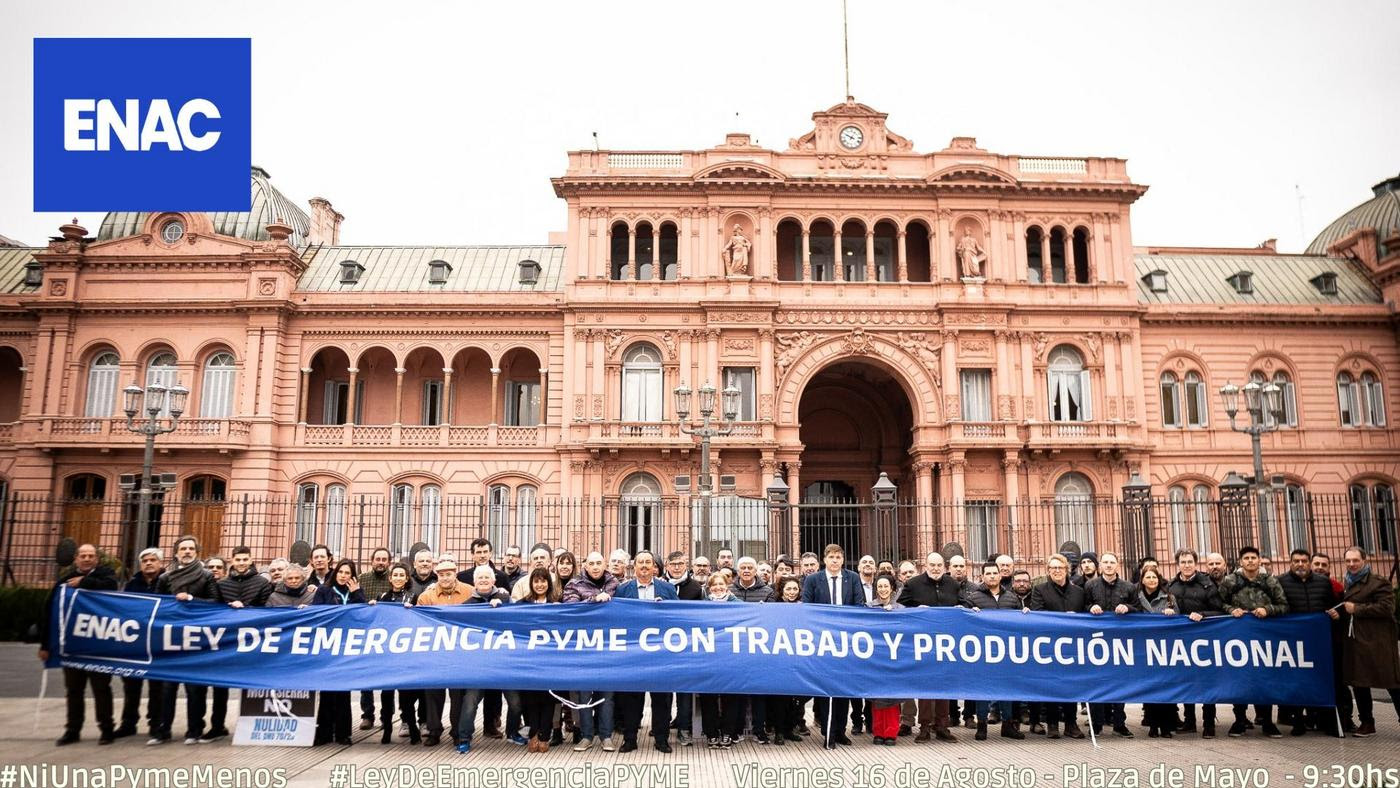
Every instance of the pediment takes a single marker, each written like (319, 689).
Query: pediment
(972, 173)
(147, 245)
(739, 171)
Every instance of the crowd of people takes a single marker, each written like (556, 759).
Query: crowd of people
(1360, 603)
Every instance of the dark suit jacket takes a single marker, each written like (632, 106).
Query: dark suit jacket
(816, 588)
(663, 589)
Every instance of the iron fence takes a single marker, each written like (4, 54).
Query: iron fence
(32, 527)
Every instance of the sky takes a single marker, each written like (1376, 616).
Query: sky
(442, 122)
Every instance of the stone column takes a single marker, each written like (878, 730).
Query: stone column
(682, 241)
(923, 507)
(838, 256)
(631, 254)
(870, 255)
(597, 380)
(1028, 395)
(1018, 248)
(765, 248)
(902, 259)
(806, 255)
(1011, 468)
(1111, 377)
(447, 396)
(495, 393)
(1045, 268)
(951, 388)
(1003, 388)
(305, 405)
(351, 398)
(766, 383)
(712, 360)
(544, 397)
(1130, 375)
(794, 481)
(398, 394)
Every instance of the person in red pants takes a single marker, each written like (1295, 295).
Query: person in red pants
(884, 717)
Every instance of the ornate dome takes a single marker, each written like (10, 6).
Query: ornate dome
(1381, 212)
(268, 205)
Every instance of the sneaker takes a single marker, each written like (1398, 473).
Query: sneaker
(970, 723)
(366, 723)
(156, 741)
(518, 740)
(213, 736)
(712, 743)
(1122, 730)
(191, 740)
(1038, 729)
(608, 745)
(465, 747)
(762, 738)
(725, 742)
(1237, 730)
(1271, 730)
(403, 730)
(683, 738)
(584, 745)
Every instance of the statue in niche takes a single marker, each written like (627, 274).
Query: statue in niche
(736, 254)
(970, 256)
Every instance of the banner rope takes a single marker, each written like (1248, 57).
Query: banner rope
(574, 705)
(1093, 737)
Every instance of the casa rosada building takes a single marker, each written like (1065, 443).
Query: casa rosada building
(979, 327)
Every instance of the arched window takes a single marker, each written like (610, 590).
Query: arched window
(308, 496)
(1203, 514)
(619, 252)
(1373, 516)
(498, 514)
(102, 385)
(1074, 511)
(1197, 405)
(640, 515)
(1080, 244)
(216, 394)
(335, 518)
(1069, 385)
(1372, 400)
(1171, 402)
(429, 518)
(1289, 395)
(1035, 262)
(1348, 400)
(400, 517)
(525, 516)
(1295, 512)
(641, 384)
(1178, 515)
(161, 371)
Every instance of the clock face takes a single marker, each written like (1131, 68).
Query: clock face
(851, 137)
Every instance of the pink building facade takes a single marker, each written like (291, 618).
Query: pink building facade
(978, 327)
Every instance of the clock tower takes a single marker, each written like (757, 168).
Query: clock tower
(850, 128)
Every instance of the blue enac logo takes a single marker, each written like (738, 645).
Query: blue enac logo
(142, 124)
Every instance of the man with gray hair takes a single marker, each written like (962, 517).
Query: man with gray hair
(422, 574)
(593, 585)
(617, 564)
(151, 563)
(87, 572)
(748, 587)
(274, 570)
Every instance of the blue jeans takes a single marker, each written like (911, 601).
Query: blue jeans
(984, 706)
(471, 699)
(597, 720)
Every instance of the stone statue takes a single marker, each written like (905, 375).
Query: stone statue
(736, 254)
(970, 256)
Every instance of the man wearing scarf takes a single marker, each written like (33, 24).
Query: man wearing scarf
(186, 579)
(1369, 658)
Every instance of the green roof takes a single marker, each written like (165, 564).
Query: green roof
(399, 269)
(1277, 279)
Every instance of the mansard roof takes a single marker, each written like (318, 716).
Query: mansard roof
(402, 269)
(12, 262)
(1278, 279)
(268, 205)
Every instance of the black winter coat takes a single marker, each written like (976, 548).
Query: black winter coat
(923, 591)
(1197, 595)
(688, 589)
(200, 586)
(979, 596)
(250, 588)
(1099, 592)
(101, 578)
(138, 585)
(1313, 595)
(1068, 598)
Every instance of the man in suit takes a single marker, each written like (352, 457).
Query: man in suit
(834, 585)
(645, 585)
(933, 588)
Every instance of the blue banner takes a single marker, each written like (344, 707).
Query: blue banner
(766, 649)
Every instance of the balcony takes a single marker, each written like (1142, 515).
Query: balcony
(983, 433)
(1070, 434)
(220, 434)
(667, 434)
(413, 435)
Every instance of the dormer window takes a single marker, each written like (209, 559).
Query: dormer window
(1156, 281)
(1243, 282)
(33, 274)
(438, 271)
(350, 272)
(529, 272)
(1326, 283)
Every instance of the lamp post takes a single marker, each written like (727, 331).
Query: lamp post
(706, 431)
(153, 400)
(1265, 406)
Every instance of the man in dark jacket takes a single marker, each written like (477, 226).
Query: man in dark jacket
(1306, 592)
(1196, 598)
(933, 588)
(990, 594)
(1249, 591)
(242, 587)
(1108, 593)
(1369, 659)
(593, 585)
(423, 574)
(373, 583)
(319, 570)
(645, 585)
(186, 580)
(1058, 595)
(85, 573)
(678, 575)
(150, 562)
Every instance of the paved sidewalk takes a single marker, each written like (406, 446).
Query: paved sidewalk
(1035, 761)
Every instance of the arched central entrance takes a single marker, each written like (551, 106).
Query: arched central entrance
(855, 420)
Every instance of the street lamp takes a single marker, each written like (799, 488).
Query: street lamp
(706, 431)
(1265, 406)
(155, 400)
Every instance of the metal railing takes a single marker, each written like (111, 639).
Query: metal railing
(32, 527)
